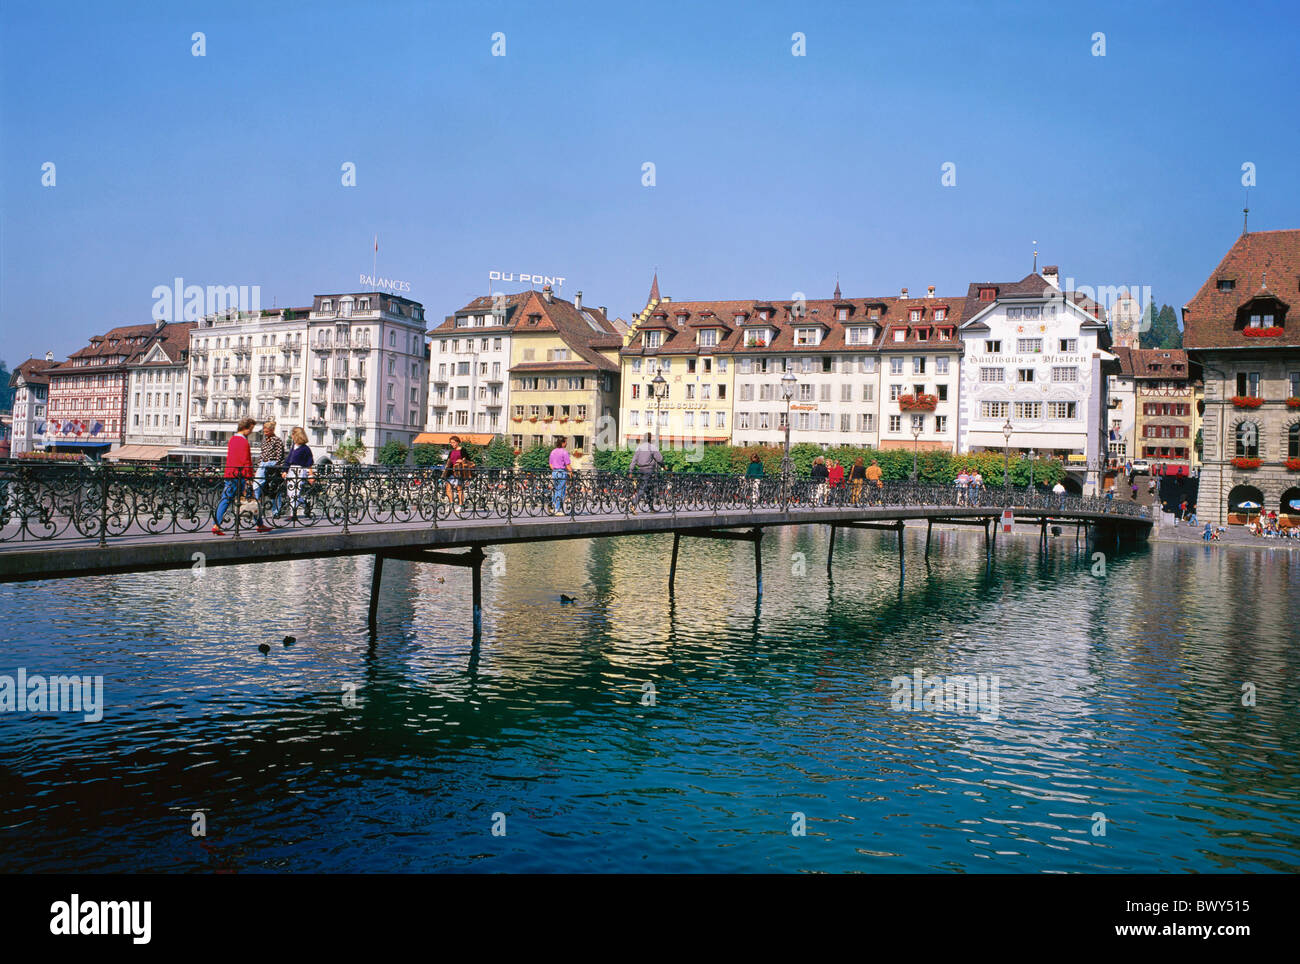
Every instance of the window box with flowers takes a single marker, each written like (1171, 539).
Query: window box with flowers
(579, 418)
(1293, 403)
(918, 403)
(532, 418)
(1242, 462)
(519, 451)
(1273, 331)
(1292, 465)
(548, 418)
(577, 453)
(563, 419)
(1246, 401)
(516, 418)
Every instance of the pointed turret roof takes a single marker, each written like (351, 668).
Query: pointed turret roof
(837, 295)
(654, 289)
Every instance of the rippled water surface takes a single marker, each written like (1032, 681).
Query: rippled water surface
(631, 732)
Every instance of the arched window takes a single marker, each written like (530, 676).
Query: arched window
(1247, 440)
(1293, 441)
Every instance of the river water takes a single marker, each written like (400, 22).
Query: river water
(630, 732)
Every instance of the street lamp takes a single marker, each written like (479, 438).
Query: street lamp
(1006, 455)
(1031, 468)
(787, 392)
(660, 386)
(916, 441)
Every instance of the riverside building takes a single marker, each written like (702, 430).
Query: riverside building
(1032, 375)
(1240, 329)
(31, 387)
(157, 406)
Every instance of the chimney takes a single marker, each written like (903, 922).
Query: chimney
(49, 356)
(929, 292)
(665, 300)
(546, 293)
(904, 294)
(1052, 275)
(577, 301)
(158, 324)
(603, 311)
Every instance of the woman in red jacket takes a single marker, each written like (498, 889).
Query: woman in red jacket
(239, 468)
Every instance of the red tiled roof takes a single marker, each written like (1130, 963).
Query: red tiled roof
(1261, 263)
(1138, 362)
(33, 372)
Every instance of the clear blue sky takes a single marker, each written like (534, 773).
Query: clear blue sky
(774, 172)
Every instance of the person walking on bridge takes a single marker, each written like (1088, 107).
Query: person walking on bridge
(857, 476)
(754, 476)
(561, 470)
(875, 477)
(269, 469)
(239, 469)
(647, 460)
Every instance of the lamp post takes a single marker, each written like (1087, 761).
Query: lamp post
(916, 442)
(1006, 455)
(787, 392)
(660, 385)
(1031, 468)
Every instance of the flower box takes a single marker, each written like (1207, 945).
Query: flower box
(1242, 462)
(532, 418)
(518, 451)
(1246, 401)
(579, 418)
(564, 418)
(1293, 465)
(1293, 403)
(1274, 331)
(577, 453)
(918, 403)
(516, 418)
(548, 418)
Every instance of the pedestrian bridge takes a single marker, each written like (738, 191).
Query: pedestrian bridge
(61, 522)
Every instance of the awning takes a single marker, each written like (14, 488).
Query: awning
(444, 438)
(80, 444)
(1030, 440)
(140, 453)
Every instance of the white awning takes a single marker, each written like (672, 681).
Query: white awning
(1031, 440)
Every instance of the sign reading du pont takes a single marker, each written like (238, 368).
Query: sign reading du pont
(534, 279)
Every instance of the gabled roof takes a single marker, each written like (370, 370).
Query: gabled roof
(1154, 363)
(32, 371)
(1258, 263)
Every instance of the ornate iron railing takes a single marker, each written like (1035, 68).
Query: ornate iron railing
(101, 502)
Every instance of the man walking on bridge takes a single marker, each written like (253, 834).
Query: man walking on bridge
(646, 462)
(239, 469)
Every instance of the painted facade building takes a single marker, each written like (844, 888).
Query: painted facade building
(157, 403)
(1165, 390)
(1034, 359)
(1241, 329)
(31, 387)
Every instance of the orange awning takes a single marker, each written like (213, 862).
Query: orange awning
(444, 438)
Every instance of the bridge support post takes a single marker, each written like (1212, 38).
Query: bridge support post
(929, 528)
(475, 561)
(758, 560)
(672, 566)
(376, 578)
(900, 547)
(830, 552)
(990, 536)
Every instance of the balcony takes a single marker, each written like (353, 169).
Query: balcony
(322, 346)
(245, 351)
(316, 422)
(283, 392)
(321, 376)
(361, 345)
(357, 399)
(358, 376)
(319, 399)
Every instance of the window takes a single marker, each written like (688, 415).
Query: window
(1247, 440)
(653, 339)
(868, 422)
(846, 392)
(941, 423)
(918, 365)
(941, 365)
(1294, 379)
(943, 392)
(1061, 409)
(895, 423)
(993, 348)
(1293, 442)
(708, 337)
(993, 409)
(860, 336)
(807, 336)
(1069, 345)
(896, 366)
(991, 374)
(846, 422)
(894, 391)
(868, 393)
(1070, 374)
(900, 334)
(742, 420)
(1226, 284)
(805, 392)
(1013, 312)
(1031, 411)
(1029, 345)
(1024, 375)
(1248, 384)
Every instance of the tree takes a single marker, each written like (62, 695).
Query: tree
(535, 458)
(1160, 329)
(351, 450)
(392, 453)
(426, 455)
(6, 393)
(500, 453)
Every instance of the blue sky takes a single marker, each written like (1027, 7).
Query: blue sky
(773, 172)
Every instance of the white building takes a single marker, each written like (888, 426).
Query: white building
(1033, 358)
(31, 395)
(1121, 411)
(157, 400)
(469, 366)
(367, 378)
(920, 364)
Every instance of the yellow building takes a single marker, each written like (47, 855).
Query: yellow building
(564, 375)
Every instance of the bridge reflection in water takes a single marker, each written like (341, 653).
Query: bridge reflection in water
(72, 521)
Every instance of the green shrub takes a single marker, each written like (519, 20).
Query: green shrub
(392, 453)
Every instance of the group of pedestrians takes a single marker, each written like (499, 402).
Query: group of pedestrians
(969, 486)
(278, 473)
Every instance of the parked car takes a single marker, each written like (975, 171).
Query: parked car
(1141, 467)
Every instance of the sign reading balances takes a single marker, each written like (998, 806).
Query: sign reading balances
(388, 284)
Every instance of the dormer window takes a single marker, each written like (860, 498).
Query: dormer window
(900, 334)
(763, 314)
(653, 339)
(756, 338)
(807, 336)
(914, 315)
(327, 305)
(861, 336)
(988, 294)
(842, 314)
(534, 319)
(740, 319)
(681, 319)
(923, 334)
(1261, 312)
(707, 338)
(1226, 284)
(940, 314)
